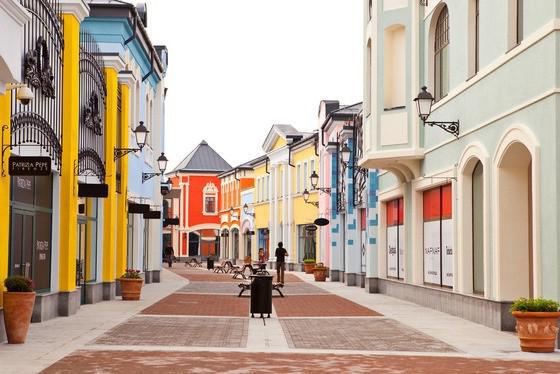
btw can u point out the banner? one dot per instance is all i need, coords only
(447, 255)
(392, 264)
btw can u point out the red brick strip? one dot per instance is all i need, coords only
(320, 306)
(219, 362)
(200, 305)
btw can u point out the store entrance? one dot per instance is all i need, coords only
(22, 243)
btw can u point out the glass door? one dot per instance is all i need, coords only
(22, 243)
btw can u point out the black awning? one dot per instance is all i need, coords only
(152, 214)
(138, 208)
(93, 190)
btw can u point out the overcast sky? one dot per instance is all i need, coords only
(236, 67)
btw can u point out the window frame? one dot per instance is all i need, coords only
(441, 54)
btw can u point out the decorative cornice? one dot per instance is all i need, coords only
(114, 61)
(15, 10)
(127, 77)
(77, 8)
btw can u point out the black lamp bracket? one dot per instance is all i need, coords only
(148, 176)
(451, 127)
(314, 203)
(121, 152)
(326, 190)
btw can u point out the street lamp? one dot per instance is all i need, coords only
(232, 214)
(315, 181)
(162, 165)
(306, 198)
(345, 153)
(140, 134)
(424, 102)
(246, 210)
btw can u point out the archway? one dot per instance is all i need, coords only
(515, 222)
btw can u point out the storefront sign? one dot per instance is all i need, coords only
(153, 214)
(321, 222)
(93, 190)
(27, 165)
(138, 208)
(171, 222)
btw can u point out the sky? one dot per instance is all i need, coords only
(236, 67)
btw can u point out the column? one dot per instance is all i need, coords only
(272, 212)
(126, 81)
(113, 64)
(291, 226)
(5, 113)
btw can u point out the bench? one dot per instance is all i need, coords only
(246, 286)
(193, 263)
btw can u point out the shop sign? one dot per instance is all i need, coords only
(138, 208)
(171, 222)
(153, 214)
(93, 190)
(29, 165)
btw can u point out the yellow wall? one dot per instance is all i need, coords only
(5, 114)
(281, 142)
(262, 210)
(122, 211)
(109, 213)
(68, 181)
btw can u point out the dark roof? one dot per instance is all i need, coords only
(244, 166)
(203, 159)
(345, 112)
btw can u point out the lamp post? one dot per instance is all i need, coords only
(232, 214)
(162, 165)
(315, 181)
(424, 102)
(140, 134)
(246, 211)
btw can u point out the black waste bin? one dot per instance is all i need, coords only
(210, 263)
(261, 295)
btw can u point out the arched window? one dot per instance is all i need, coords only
(370, 9)
(478, 228)
(210, 196)
(441, 55)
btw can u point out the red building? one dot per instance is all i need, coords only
(194, 199)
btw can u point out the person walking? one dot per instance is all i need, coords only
(169, 254)
(281, 255)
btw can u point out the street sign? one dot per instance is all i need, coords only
(29, 165)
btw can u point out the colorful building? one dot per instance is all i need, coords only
(281, 212)
(67, 104)
(197, 207)
(468, 197)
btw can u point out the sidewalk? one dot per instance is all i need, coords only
(52, 340)
(194, 321)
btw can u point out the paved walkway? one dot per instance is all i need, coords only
(194, 322)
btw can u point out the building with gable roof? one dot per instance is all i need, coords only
(194, 199)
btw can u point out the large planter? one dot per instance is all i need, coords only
(320, 273)
(308, 267)
(537, 331)
(18, 308)
(131, 288)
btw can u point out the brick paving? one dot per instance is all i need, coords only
(200, 305)
(236, 362)
(184, 332)
(358, 334)
(294, 288)
(320, 306)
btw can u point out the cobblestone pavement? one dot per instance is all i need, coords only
(319, 306)
(358, 334)
(236, 362)
(179, 331)
(200, 305)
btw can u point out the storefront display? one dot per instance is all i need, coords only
(395, 239)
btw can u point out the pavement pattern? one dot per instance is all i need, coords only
(202, 326)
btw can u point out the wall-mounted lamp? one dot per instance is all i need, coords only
(246, 211)
(162, 164)
(306, 199)
(232, 214)
(140, 133)
(424, 103)
(315, 182)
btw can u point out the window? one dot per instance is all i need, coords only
(438, 236)
(478, 228)
(268, 187)
(441, 55)
(394, 67)
(519, 21)
(298, 179)
(395, 238)
(258, 189)
(370, 9)
(477, 36)
(368, 84)
(305, 175)
(307, 243)
(210, 194)
(311, 168)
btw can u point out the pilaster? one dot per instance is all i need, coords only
(68, 181)
(5, 113)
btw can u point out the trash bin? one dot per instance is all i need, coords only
(261, 295)
(210, 263)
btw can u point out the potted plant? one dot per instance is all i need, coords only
(537, 321)
(308, 265)
(18, 308)
(131, 284)
(320, 272)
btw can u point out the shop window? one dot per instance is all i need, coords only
(395, 238)
(438, 236)
(441, 55)
(307, 243)
(210, 194)
(264, 242)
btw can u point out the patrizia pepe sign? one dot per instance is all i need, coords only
(24, 165)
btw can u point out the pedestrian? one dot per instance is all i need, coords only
(169, 255)
(281, 255)
(262, 257)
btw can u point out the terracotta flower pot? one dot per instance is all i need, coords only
(320, 274)
(131, 288)
(18, 308)
(537, 331)
(308, 267)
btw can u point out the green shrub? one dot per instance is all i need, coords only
(18, 283)
(534, 305)
(309, 261)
